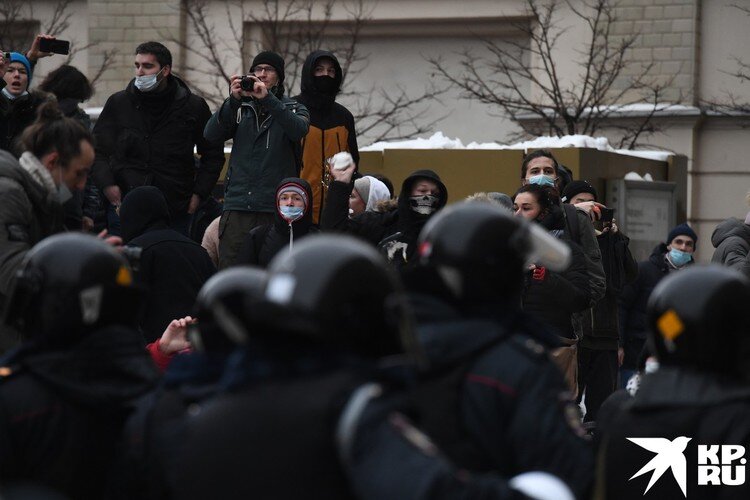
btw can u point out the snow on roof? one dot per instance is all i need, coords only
(439, 141)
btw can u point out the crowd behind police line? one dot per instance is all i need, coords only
(411, 350)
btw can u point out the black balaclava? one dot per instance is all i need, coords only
(317, 92)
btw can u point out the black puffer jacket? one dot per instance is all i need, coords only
(172, 267)
(145, 139)
(264, 242)
(394, 232)
(62, 409)
(731, 239)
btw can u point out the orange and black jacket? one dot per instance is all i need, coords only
(331, 129)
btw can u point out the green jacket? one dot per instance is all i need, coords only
(263, 153)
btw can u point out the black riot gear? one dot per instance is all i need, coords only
(339, 291)
(70, 285)
(225, 316)
(697, 319)
(480, 250)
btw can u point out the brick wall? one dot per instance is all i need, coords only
(667, 31)
(121, 26)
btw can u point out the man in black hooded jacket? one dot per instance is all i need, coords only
(395, 232)
(172, 266)
(331, 124)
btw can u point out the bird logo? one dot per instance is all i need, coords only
(669, 455)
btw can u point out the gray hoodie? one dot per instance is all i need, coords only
(731, 239)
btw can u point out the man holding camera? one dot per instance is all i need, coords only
(267, 128)
(146, 136)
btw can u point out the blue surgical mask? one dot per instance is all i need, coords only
(291, 214)
(147, 83)
(542, 180)
(679, 258)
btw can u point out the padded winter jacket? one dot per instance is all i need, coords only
(264, 151)
(731, 239)
(331, 129)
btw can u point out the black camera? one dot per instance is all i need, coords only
(247, 83)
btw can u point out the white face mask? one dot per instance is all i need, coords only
(147, 83)
(63, 191)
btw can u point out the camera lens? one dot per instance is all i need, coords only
(247, 84)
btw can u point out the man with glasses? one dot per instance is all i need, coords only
(267, 128)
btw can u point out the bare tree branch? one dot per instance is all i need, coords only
(554, 106)
(19, 24)
(730, 104)
(295, 28)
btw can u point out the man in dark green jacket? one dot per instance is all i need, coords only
(267, 128)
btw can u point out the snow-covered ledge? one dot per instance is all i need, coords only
(439, 141)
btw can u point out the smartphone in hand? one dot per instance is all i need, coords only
(54, 46)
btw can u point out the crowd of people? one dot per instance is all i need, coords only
(317, 334)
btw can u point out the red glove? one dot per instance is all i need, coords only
(539, 273)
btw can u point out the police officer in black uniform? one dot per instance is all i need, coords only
(66, 391)
(700, 395)
(331, 310)
(498, 419)
(492, 399)
(155, 434)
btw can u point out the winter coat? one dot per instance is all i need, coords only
(172, 267)
(28, 214)
(634, 297)
(279, 423)
(731, 239)
(394, 232)
(579, 229)
(62, 409)
(155, 432)
(513, 414)
(264, 151)
(555, 297)
(671, 403)
(600, 324)
(264, 242)
(147, 139)
(331, 129)
(18, 114)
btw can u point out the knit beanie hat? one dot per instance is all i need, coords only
(684, 230)
(293, 188)
(575, 188)
(18, 57)
(272, 59)
(362, 185)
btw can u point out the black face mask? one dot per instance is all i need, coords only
(326, 85)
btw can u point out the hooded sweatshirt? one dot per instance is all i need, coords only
(731, 239)
(264, 242)
(331, 128)
(394, 232)
(171, 266)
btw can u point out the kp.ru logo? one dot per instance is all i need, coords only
(717, 464)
